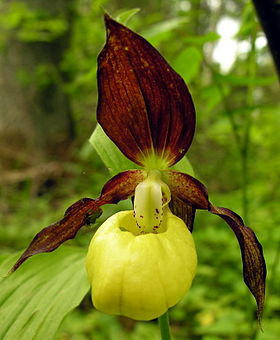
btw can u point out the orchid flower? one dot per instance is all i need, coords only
(142, 261)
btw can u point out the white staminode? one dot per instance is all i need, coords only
(151, 196)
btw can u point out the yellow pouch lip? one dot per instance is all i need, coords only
(140, 276)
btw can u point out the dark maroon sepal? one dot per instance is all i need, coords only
(144, 106)
(82, 212)
(189, 190)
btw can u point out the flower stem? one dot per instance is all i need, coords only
(163, 322)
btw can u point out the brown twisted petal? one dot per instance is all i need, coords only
(144, 106)
(190, 190)
(122, 186)
(82, 212)
(254, 268)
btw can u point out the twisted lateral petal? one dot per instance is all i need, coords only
(187, 189)
(254, 267)
(51, 237)
(121, 186)
(190, 190)
(144, 106)
(84, 211)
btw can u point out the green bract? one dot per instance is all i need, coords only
(140, 276)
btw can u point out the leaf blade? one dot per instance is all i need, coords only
(29, 297)
(109, 153)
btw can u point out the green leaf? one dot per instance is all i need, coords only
(184, 165)
(200, 40)
(161, 31)
(245, 80)
(126, 15)
(35, 299)
(188, 62)
(109, 153)
(248, 20)
(212, 96)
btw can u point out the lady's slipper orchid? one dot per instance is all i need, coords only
(141, 262)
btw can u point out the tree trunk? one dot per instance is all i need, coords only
(269, 15)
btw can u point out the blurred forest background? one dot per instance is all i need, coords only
(48, 52)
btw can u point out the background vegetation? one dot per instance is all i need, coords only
(48, 96)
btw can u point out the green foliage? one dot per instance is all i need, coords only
(248, 21)
(200, 40)
(188, 62)
(111, 156)
(124, 16)
(35, 299)
(162, 31)
(235, 80)
(31, 25)
(81, 323)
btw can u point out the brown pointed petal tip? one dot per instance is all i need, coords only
(144, 106)
(51, 237)
(84, 211)
(254, 267)
(191, 191)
